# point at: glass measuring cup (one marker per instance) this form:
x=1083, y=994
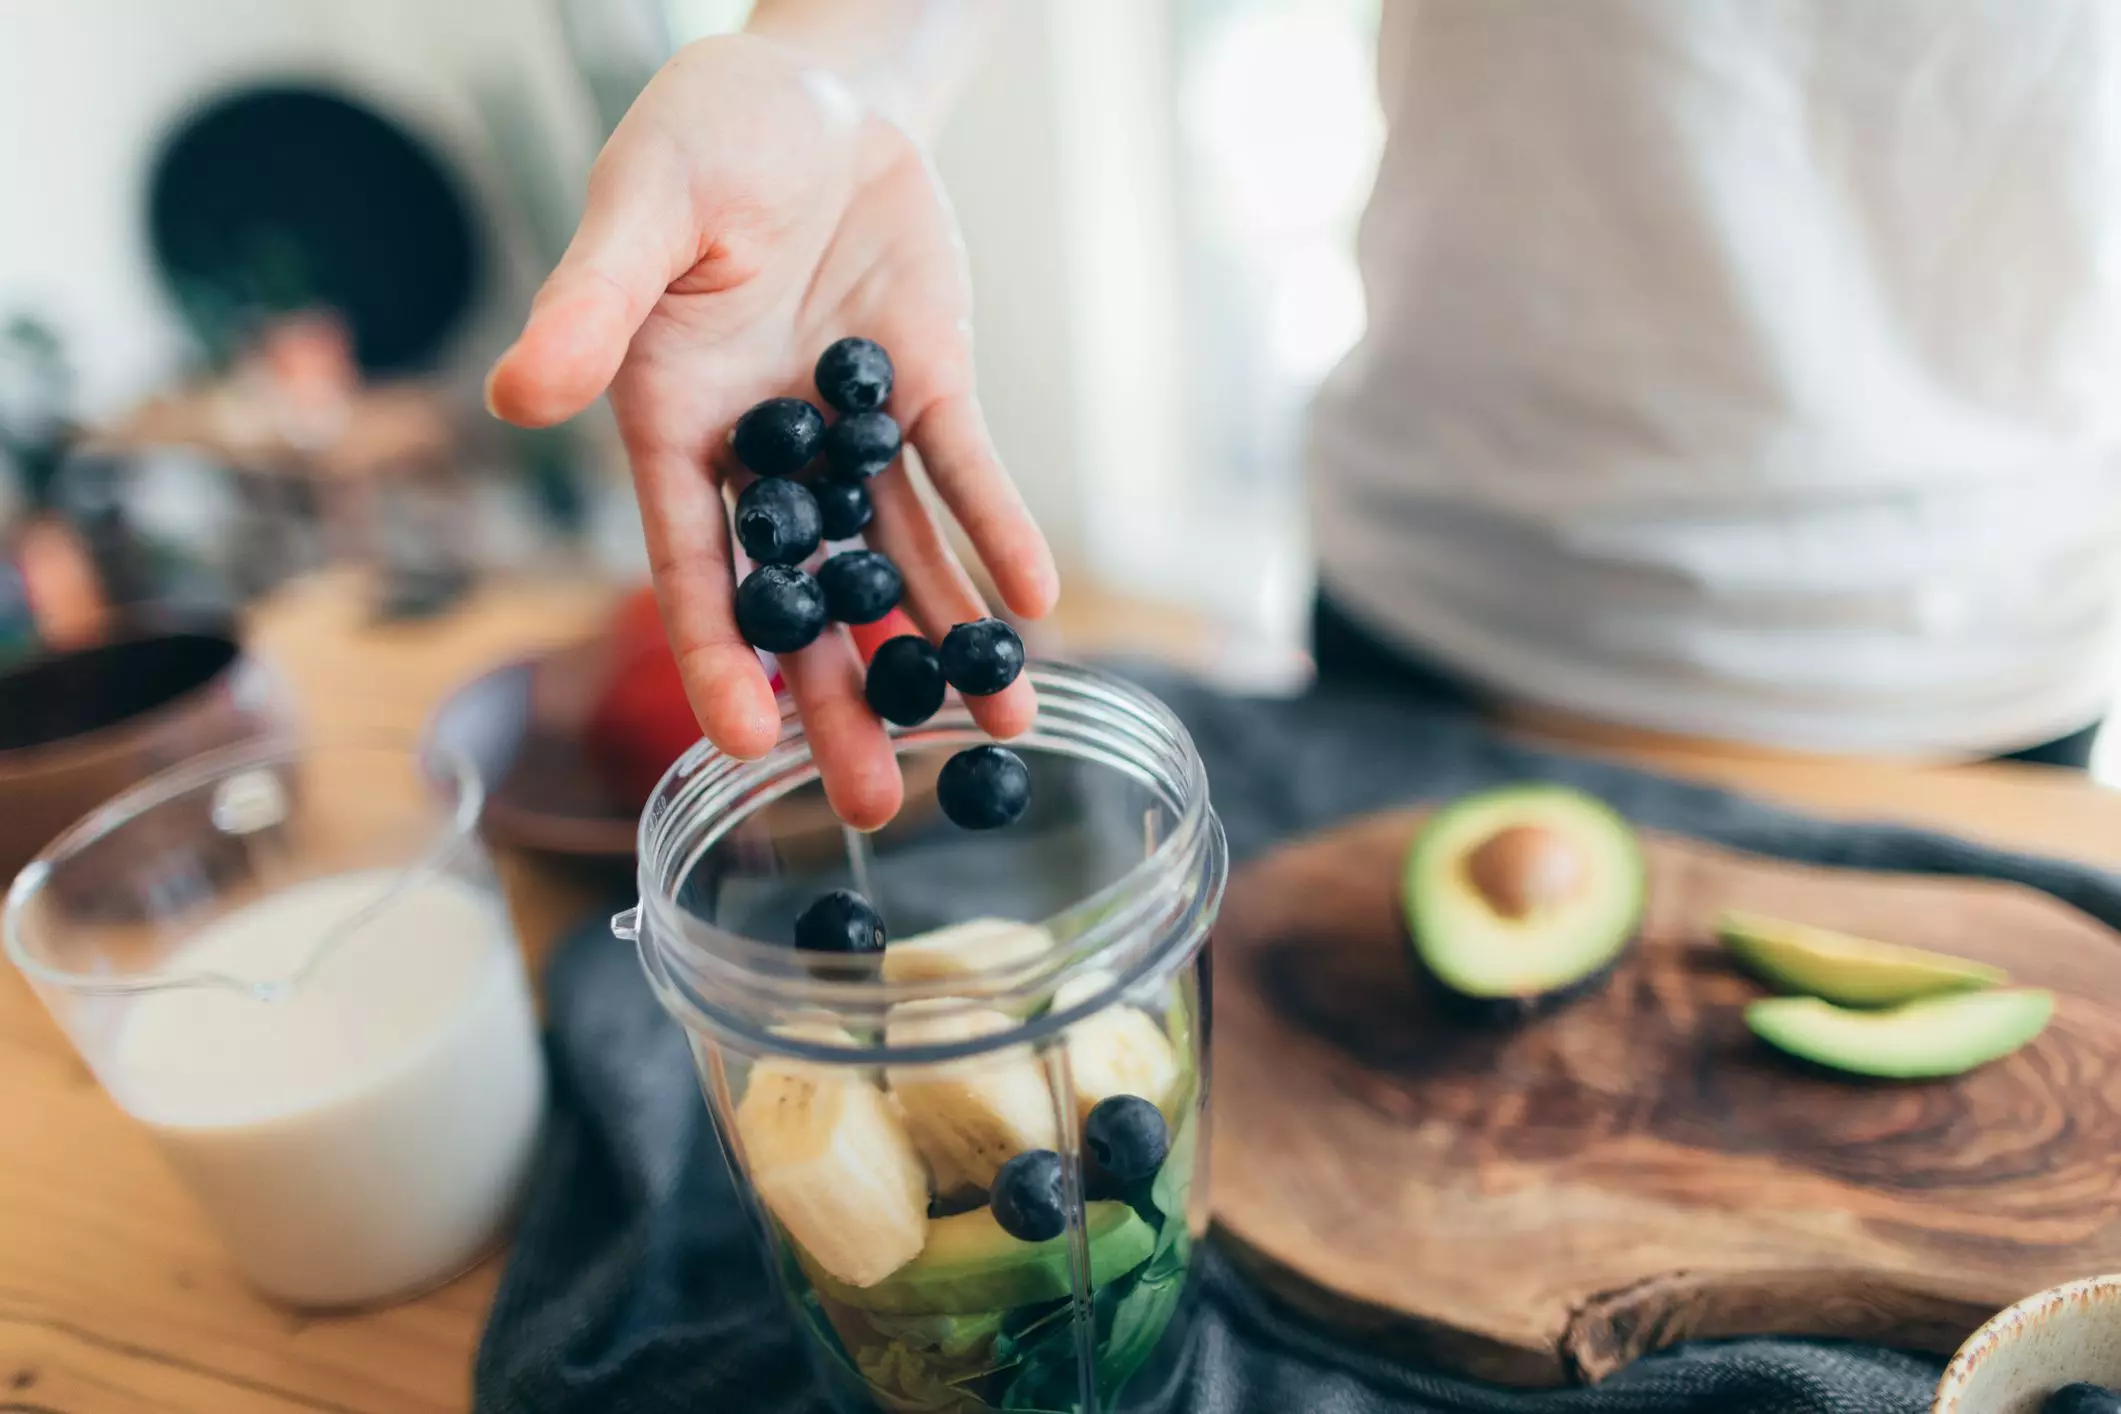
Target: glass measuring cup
x=1034, y=971
x=293, y=966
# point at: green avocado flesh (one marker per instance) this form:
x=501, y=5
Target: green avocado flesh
x=970, y=1265
x=1839, y=967
x=1919, y=1040
x=1479, y=946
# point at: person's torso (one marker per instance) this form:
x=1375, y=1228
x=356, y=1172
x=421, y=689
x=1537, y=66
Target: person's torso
x=1748, y=367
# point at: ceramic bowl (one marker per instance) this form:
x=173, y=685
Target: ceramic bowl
x=2028, y=1351
x=77, y=728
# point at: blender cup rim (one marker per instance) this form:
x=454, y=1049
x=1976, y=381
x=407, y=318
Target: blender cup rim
x=1146, y=921
x=193, y=773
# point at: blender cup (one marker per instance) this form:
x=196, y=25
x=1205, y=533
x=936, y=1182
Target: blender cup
x=1034, y=973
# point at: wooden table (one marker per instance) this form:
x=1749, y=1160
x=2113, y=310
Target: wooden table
x=113, y=1296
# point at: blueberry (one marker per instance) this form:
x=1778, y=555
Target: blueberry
x=861, y=444
x=854, y=375
x=777, y=521
x=841, y=921
x=861, y=586
x=1126, y=1138
x=983, y=787
x=844, y=506
x=779, y=436
x=1027, y=1198
x=779, y=609
x=905, y=682
x=2082, y=1399
x=982, y=657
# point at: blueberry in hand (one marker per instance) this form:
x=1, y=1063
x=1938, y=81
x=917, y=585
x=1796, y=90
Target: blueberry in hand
x=861, y=444
x=983, y=787
x=905, y=681
x=2082, y=1399
x=1027, y=1198
x=1126, y=1138
x=779, y=609
x=777, y=521
x=841, y=921
x=982, y=657
x=854, y=375
x=861, y=586
x=844, y=507
x=778, y=437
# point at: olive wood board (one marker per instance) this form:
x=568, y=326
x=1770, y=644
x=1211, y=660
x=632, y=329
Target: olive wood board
x=1542, y=1202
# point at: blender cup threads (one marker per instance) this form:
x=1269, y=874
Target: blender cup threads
x=909, y=1132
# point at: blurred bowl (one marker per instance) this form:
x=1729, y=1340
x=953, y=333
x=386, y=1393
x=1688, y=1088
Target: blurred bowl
x=2028, y=1351
x=78, y=727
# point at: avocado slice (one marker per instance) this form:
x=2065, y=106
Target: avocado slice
x=970, y=1265
x=1843, y=968
x=1918, y=1040
x=1522, y=896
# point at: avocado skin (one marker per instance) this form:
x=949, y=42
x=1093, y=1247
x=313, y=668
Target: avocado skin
x=1434, y=887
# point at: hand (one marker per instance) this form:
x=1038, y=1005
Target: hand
x=743, y=216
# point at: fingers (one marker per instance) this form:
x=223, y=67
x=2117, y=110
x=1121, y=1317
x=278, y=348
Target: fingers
x=689, y=558
x=853, y=755
x=636, y=236
x=959, y=457
x=938, y=591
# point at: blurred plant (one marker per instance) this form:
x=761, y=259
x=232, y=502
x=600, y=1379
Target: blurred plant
x=36, y=401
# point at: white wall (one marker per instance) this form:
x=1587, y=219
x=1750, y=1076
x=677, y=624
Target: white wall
x=88, y=86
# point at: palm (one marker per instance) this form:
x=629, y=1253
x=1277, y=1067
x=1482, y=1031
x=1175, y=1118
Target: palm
x=736, y=226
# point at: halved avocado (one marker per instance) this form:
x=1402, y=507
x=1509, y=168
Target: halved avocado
x=1919, y=1040
x=1522, y=896
x=1843, y=968
x=970, y=1265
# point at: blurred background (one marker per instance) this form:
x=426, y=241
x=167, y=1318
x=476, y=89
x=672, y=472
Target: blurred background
x=260, y=252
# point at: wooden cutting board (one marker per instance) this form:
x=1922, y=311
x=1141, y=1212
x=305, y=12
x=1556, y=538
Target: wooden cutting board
x=1545, y=1202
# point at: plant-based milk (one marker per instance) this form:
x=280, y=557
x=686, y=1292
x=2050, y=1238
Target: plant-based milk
x=367, y=1135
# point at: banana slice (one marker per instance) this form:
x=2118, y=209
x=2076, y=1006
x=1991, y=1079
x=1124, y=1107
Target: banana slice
x=963, y=949
x=833, y=1163
x=969, y=1117
x=1118, y=1051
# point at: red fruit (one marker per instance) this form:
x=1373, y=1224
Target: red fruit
x=870, y=637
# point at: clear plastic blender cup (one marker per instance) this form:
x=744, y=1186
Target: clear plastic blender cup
x=1033, y=972
x=292, y=964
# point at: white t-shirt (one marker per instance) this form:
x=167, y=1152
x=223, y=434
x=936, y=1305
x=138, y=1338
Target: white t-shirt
x=1748, y=368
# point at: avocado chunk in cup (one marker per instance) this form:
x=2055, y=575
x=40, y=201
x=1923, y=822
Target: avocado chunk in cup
x=970, y=1265
x=1522, y=897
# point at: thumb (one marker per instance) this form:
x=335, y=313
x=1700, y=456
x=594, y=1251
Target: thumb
x=636, y=236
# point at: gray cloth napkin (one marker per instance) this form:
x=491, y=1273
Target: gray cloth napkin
x=634, y=1287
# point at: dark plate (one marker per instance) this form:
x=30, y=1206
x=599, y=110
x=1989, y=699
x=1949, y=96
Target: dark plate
x=542, y=791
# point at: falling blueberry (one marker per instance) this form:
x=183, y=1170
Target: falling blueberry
x=779, y=609
x=844, y=506
x=778, y=437
x=982, y=657
x=861, y=586
x=905, y=682
x=777, y=521
x=983, y=787
x=842, y=922
x=1126, y=1138
x=861, y=444
x=854, y=375
x=1028, y=1200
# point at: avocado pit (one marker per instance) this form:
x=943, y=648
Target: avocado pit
x=1525, y=869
